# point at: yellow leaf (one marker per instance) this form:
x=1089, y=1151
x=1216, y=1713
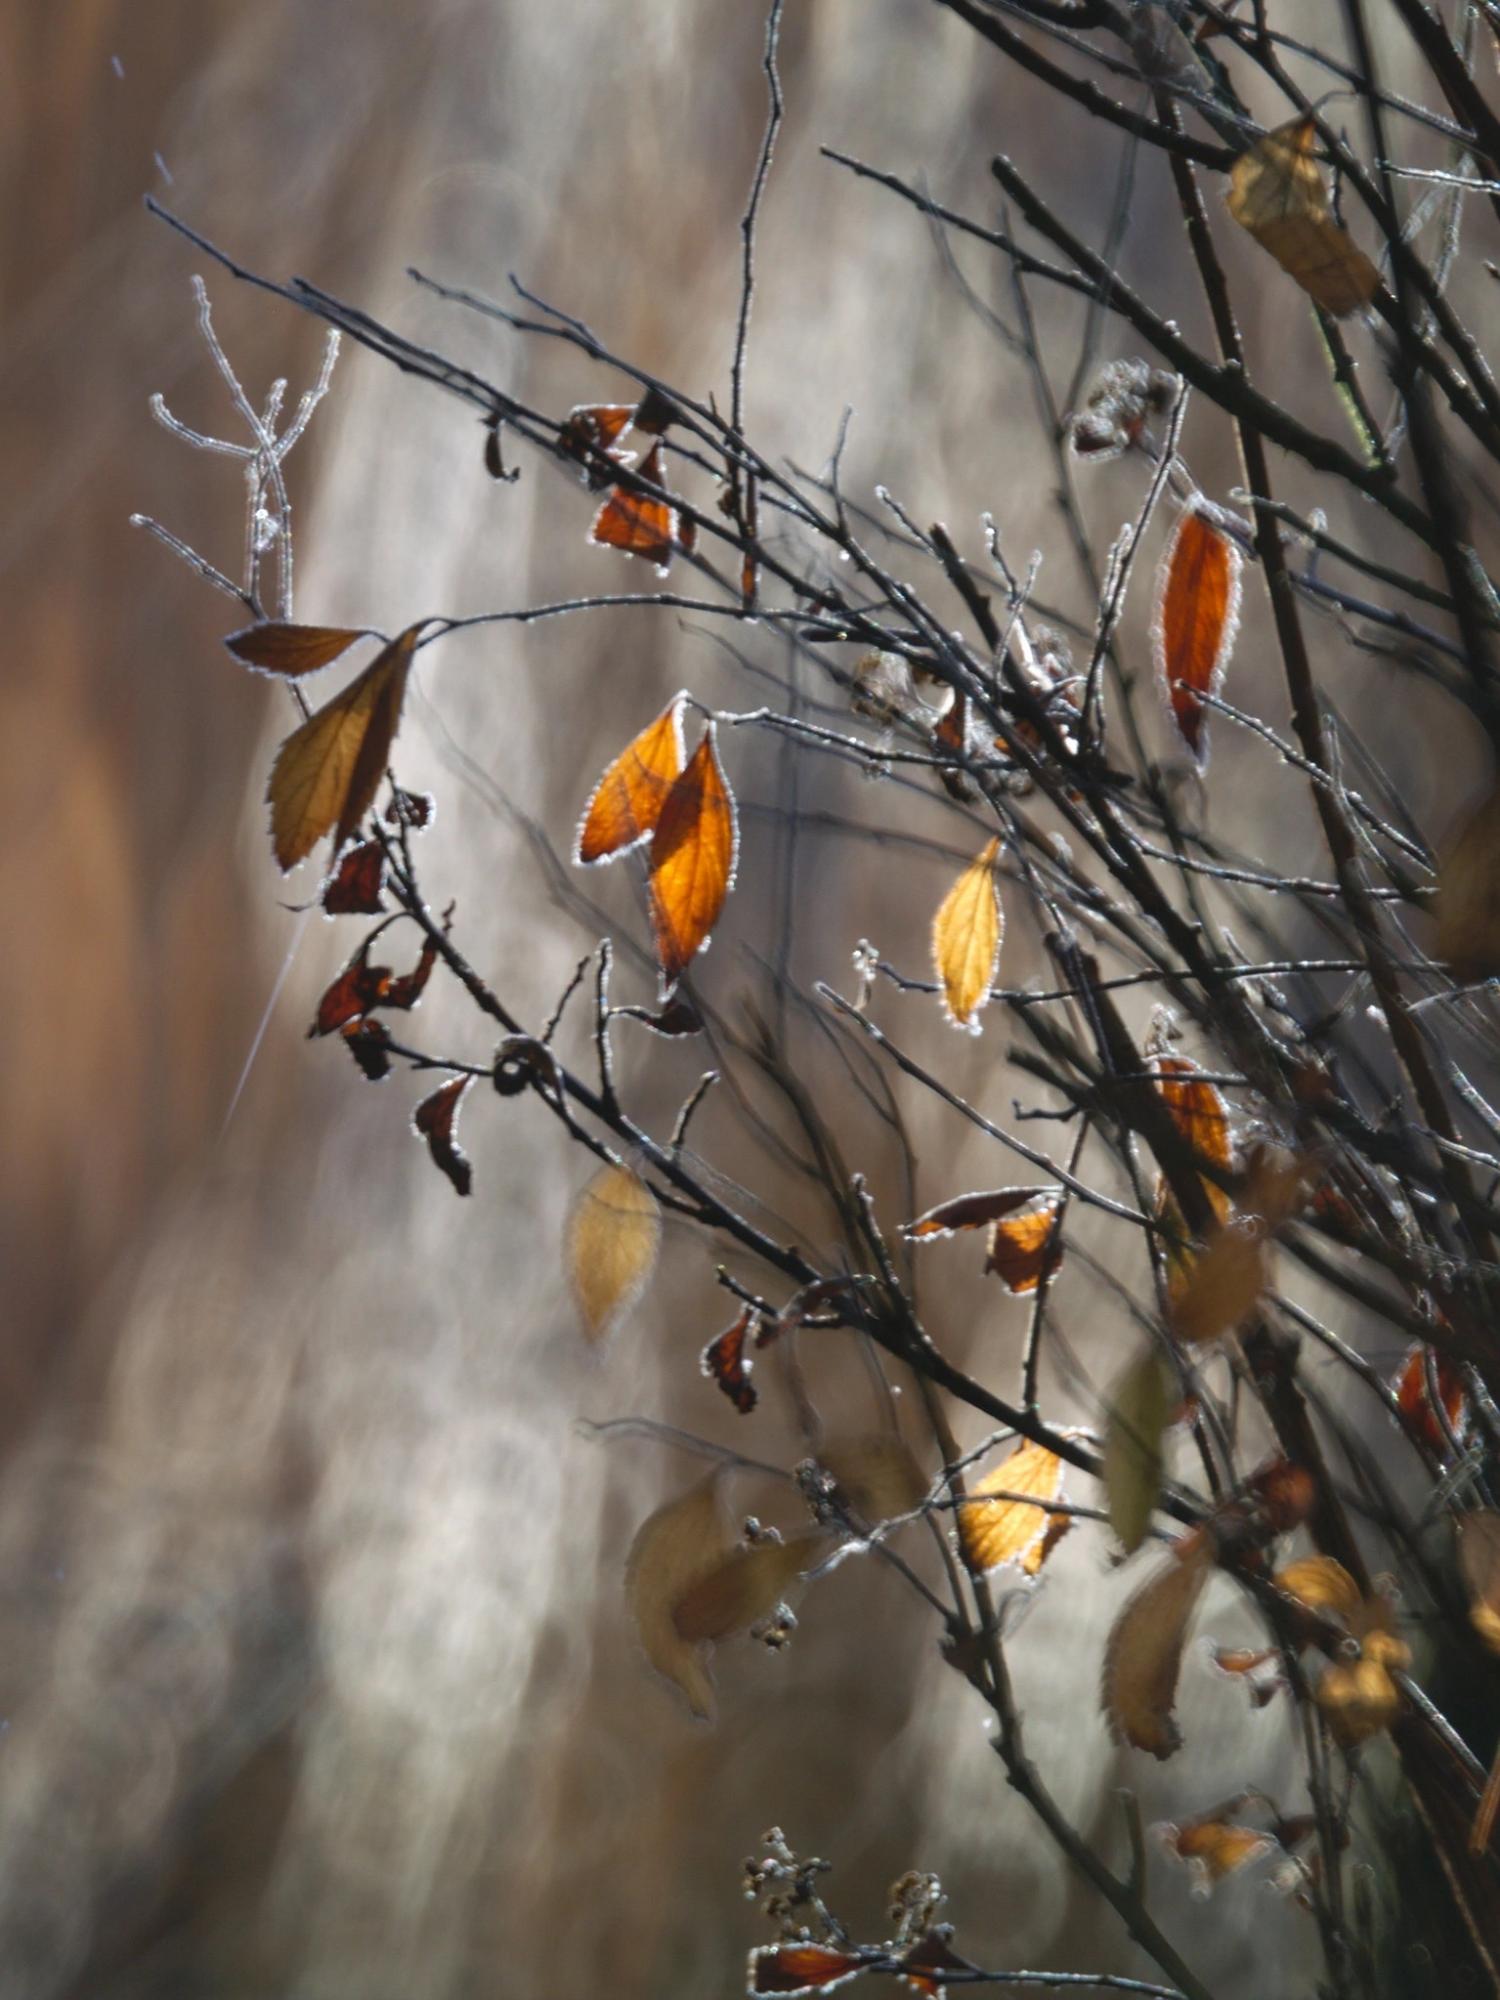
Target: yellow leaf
x=627, y=802
x=966, y=939
x=613, y=1235
x=1002, y=1531
x=1144, y=1653
x=327, y=772
x=679, y=1544
x=1322, y=1584
x=1276, y=192
x=692, y=861
x=1358, y=1699
x=1139, y=1407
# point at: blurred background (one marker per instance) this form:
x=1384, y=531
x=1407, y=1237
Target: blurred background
x=316, y=1678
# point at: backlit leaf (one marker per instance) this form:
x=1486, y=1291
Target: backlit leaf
x=726, y=1361
x=627, y=801
x=1144, y=1654
x=613, y=1235
x=1140, y=1406
x=1001, y=1531
x=680, y=1543
x=436, y=1120
x=744, y=1586
x=799, y=1968
x=966, y=939
x=972, y=1211
x=692, y=860
x=1276, y=191
x=638, y=524
x=290, y=650
x=327, y=772
x=1214, y=1848
x=1197, y=612
x=1023, y=1249
x=353, y=889
x=1322, y=1584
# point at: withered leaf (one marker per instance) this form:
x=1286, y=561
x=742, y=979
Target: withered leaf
x=800, y=1968
x=1479, y=1560
x=594, y=428
x=693, y=854
x=1140, y=1406
x=1214, y=1848
x=327, y=772
x=369, y=1042
x=353, y=889
x=412, y=809
x=613, y=1235
x=638, y=524
x=876, y=1474
x=436, y=1120
x=406, y=990
x=1023, y=1249
x=1276, y=191
x=973, y=1211
x=966, y=936
x=627, y=802
x=1144, y=1654
x=680, y=1543
x=1468, y=894
x=744, y=1586
x=275, y=647
x=358, y=988
x=678, y=1017
x=1000, y=1531
x=727, y=1362
x=1197, y=613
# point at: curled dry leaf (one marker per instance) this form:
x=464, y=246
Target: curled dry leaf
x=996, y=1531
x=1197, y=614
x=1276, y=191
x=1322, y=1584
x=1140, y=1406
x=682, y=1542
x=972, y=1211
x=327, y=772
x=800, y=1968
x=744, y=1586
x=614, y=1232
x=369, y=1042
x=290, y=650
x=966, y=936
x=591, y=432
x=726, y=1360
x=693, y=854
x=627, y=801
x=1144, y=1654
x=353, y=889
x=876, y=1474
x=436, y=1120
x=638, y=524
x=1213, y=1848
x=1479, y=1560
x=1468, y=894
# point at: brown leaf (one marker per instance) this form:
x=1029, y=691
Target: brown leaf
x=369, y=1043
x=680, y=1543
x=1144, y=1653
x=973, y=1211
x=1468, y=894
x=1214, y=1848
x=627, y=802
x=327, y=772
x=595, y=428
x=1024, y=1249
x=1479, y=1560
x=638, y=524
x=726, y=1362
x=353, y=889
x=1322, y=1584
x=876, y=1474
x=436, y=1120
x=743, y=1587
x=966, y=935
x=1001, y=1531
x=1276, y=191
x=799, y=1968
x=357, y=989
x=692, y=861
x=408, y=989
x=1200, y=1115
x=1140, y=1407
x=1197, y=612
x=613, y=1235
x=274, y=647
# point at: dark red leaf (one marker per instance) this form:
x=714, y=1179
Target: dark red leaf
x=369, y=1042
x=353, y=889
x=408, y=989
x=436, y=1120
x=358, y=988
x=726, y=1361
x=799, y=1968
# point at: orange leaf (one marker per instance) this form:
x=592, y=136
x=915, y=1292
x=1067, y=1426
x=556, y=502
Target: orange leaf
x=1024, y=1248
x=1144, y=1653
x=1197, y=611
x=966, y=936
x=614, y=1232
x=594, y=427
x=327, y=772
x=274, y=647
x=1322, y=1584
x=627, y=801
x=799, y=1968
x=1214, y=1848
x=1000, y=1531
x=436, y=1120
x=1276, y=192
x=1414, y=1395
x=692, y=861
x=637, y=523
